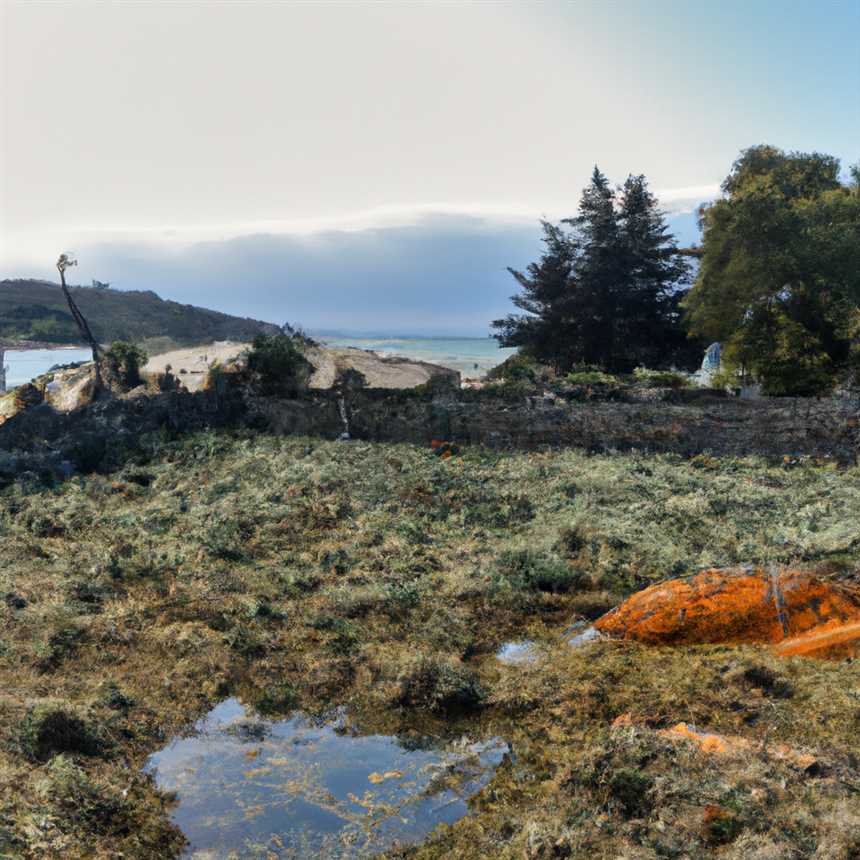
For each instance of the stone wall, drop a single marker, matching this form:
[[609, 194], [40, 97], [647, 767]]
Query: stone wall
[[772, 428]]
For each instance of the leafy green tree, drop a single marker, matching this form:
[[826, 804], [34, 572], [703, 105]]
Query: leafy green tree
[[779, 280], [606, 290]]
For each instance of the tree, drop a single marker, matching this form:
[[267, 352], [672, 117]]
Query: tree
[[779, 280], [607, 291], [654, 270], [545, 330], [63, 263], [278, 365], [123, 362]]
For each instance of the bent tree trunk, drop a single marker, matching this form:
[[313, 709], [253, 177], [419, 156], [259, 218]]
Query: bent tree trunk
[[62, 264]]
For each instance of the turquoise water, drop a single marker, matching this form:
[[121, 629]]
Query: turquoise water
[[27, 364], [471, 356], [302, 787]]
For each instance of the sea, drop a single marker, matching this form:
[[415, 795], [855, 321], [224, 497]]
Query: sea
[[26, 364], [471, 356]]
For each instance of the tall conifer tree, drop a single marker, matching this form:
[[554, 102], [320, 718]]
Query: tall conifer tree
[[606, 292]]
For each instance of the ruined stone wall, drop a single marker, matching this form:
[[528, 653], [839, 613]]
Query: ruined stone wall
[[771, 428]]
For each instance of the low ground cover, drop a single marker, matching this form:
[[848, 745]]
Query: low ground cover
[[383, 578]]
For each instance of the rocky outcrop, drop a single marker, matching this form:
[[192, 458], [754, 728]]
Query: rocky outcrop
[[191, 366], [798, 612]]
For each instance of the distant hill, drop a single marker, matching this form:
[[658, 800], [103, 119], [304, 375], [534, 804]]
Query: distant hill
[[37, 311]]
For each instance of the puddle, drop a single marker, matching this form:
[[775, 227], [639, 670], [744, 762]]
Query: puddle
[[517, 652], [293, 788], [583, 638]]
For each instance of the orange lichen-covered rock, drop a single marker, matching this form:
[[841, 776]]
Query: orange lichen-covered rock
[[831, 641], [735, 606], [715, 744]]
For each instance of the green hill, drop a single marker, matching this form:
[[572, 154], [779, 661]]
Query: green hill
[[36, 311]]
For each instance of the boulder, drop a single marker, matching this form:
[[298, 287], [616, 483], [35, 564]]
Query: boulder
[[798, 611]]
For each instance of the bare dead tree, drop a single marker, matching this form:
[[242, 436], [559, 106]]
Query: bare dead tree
[[65, 261]]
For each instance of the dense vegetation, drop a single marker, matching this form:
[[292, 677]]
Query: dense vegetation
[[606, 291], [778, 283], [382, 577], [37, 311]]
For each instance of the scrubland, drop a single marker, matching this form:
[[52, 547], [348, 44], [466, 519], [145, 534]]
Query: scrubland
[[383, 578]]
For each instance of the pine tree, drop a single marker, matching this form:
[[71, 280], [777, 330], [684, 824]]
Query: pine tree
[[595, 300], [542, 331], [654, 276], [607, 292]]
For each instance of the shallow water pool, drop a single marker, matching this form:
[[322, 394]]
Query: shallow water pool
[[300, 787], [514, 653]]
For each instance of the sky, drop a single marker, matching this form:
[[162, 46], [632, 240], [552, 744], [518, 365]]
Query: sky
[[377, 166]]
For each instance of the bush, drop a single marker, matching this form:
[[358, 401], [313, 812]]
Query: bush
[[278, 366], [69, 789], [591, 375], [527, 570], [166, 381], [440, 685], [123, 362], [276, 700], [26, 396], [660, 378], [49, 729], [517, 368]]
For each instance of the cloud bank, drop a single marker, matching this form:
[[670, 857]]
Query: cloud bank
[[439, 274]]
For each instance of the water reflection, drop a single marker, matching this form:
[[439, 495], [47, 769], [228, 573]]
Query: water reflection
[[303, 788], [515, 653]]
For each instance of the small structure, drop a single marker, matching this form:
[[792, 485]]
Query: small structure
[[710, 366]]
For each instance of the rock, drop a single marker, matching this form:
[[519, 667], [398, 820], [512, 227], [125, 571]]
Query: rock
[[798, 611], [716, 744]]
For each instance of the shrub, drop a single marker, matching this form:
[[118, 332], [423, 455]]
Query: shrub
[[349, 380], [276, 699], [61, 644], [69, 789], [630, 789], [527, 570], [591, 375], [518, 367], [167, 381], [278, 366], [50, 729], [123, 362], [226, 539], [26, 396], [439, 684], [660, 378]]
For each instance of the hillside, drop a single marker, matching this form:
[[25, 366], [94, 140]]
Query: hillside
[[36, 311]]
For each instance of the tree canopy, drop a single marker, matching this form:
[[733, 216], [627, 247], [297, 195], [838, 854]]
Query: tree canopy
[[779, 280], [607, 288]]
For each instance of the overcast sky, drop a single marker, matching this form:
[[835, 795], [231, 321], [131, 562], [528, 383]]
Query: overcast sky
[[330, 163]]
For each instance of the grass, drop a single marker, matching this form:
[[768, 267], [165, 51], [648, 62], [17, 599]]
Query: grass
[[294, 572]]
